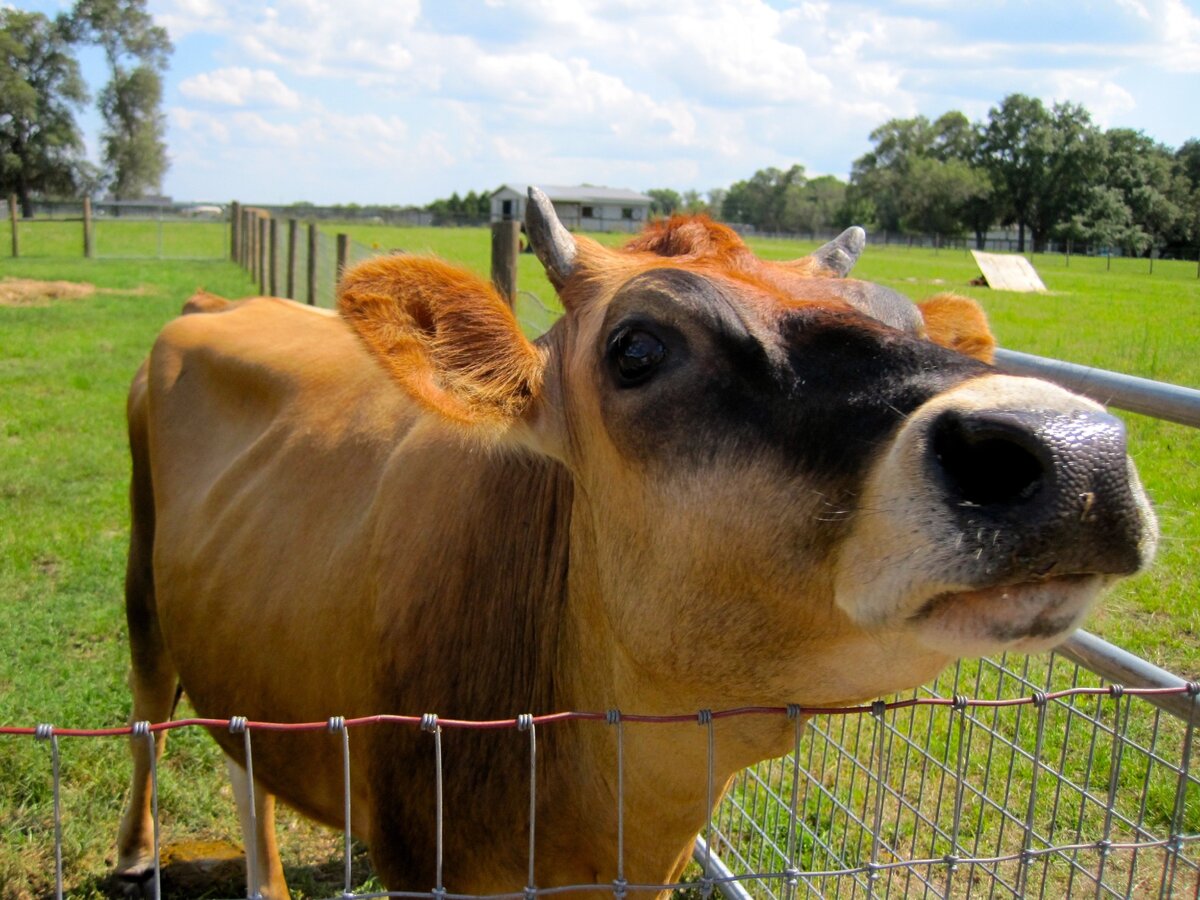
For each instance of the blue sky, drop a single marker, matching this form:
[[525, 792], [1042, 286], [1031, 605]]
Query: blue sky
[[403, 101]]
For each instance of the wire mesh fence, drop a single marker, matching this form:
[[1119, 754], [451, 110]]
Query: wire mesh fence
[[1054, 785], [1084, 790]]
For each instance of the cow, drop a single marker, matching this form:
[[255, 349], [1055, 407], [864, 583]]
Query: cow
[[716, 482]]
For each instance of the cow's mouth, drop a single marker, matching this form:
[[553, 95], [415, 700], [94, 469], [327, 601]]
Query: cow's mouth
[[1025, 615]]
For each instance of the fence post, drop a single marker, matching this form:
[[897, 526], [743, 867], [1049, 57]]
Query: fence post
[[263, 229], [290, 292], [12, 218], [87, 227], [343, 249], [273, 256], [311, 297], [505, 247], [252, 246], [235, 231]]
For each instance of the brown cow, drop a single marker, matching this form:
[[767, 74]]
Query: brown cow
[[715, 482]]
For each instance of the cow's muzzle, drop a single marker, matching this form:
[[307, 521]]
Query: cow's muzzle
[[1037, 492], [994, 518]]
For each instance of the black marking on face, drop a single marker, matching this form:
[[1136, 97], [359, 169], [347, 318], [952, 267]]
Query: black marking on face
[[819, 388]]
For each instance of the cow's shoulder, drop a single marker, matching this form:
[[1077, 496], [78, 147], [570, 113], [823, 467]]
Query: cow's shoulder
[[258, 385]]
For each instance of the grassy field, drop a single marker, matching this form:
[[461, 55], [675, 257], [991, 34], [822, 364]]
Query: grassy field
[[64, 369]]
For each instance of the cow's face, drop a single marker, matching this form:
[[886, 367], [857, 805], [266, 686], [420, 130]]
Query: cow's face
[[791, 473]]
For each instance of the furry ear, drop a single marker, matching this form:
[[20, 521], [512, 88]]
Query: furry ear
[[959, 323], [446, 337]]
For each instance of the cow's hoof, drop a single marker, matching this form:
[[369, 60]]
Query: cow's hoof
[[136, 885]]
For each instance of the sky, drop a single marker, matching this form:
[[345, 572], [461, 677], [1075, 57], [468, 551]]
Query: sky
[[405, 101]]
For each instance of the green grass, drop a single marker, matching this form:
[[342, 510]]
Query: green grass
[[114, 238], [64, 369]]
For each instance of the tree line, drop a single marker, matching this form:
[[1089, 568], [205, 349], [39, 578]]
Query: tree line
[[1048, 171], [42, 152]]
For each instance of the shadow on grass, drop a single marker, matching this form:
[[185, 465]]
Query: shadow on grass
[[210, 869]]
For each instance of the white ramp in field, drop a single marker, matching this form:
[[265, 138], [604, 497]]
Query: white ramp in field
[[1008, 272]]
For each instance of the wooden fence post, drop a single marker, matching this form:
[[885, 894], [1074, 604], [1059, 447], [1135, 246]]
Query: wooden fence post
[[343, 252], [263, 228], [311, 297], [235, 231], [12, 218], [252, 262], [273, 256], [290, 292], [506, 245], [87, 227]]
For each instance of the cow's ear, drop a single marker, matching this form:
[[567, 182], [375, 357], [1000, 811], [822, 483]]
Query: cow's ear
[[959, 323], [446, 337]]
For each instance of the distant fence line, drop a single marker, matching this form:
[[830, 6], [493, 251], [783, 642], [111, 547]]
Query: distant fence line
[[271, 251], [168, 214]]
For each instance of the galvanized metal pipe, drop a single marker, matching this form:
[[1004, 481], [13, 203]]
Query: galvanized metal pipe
[[719, 872], [1139, 395], [1122, 667]]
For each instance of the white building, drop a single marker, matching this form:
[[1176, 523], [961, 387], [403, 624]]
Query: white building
[[582, 208]]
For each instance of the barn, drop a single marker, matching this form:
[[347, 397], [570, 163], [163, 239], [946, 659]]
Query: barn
[[581, 208]]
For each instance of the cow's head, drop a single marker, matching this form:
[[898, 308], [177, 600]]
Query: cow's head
[[811, 478]]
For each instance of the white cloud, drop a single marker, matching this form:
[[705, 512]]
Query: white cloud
[[1181, 37], [240, 87], [692, 94]]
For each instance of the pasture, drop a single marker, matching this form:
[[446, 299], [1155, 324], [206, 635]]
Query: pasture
[[65, 365]]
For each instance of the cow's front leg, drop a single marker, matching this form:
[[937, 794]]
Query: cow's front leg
[[264, 871]]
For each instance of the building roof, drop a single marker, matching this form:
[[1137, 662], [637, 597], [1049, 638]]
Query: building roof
[[583, 193]]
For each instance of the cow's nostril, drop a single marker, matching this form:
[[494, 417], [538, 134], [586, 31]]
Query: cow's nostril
[[988, 458]]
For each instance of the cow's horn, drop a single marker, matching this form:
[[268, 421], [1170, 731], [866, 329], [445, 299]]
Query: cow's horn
[[550, 240], [843, 251]]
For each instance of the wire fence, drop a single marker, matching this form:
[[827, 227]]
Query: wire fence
[[1061, 785], [1087, 787]]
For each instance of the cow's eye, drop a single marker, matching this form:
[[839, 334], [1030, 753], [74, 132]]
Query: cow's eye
[[637, 353]]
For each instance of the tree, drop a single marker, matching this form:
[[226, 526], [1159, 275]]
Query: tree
[[1142, 172], [136, 49], [1039, 161], [923, 176], [664, 201], [935, 194], [40, 144], [1185, 193], [762, 200], [814, 204]]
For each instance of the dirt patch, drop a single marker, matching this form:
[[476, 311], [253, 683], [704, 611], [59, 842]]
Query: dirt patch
[[28, 292]]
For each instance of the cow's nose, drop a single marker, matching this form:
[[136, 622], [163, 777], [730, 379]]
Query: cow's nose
[[1052, 488]]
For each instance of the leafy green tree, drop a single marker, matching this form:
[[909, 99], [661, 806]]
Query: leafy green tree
[[762, 200], [814, 204], [137, 50], [1040, 161], [935, 194], [1185, 193], [41, 150], [924, 176], [1015, 148], [692, 202], [1142, 171], [664, 201]]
